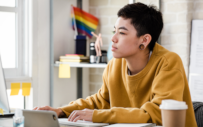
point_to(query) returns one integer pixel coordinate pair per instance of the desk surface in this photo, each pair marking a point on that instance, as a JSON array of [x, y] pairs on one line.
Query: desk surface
[[8, 122]]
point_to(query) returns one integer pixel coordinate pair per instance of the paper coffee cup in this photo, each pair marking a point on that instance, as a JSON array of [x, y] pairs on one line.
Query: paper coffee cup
[[173, 113]]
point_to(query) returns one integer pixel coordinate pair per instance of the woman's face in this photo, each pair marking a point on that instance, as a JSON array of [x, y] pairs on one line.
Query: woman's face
[[125, 40]]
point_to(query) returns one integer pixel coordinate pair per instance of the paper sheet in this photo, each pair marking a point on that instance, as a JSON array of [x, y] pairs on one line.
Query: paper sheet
[[1, 111], [196, 61], [64, 71], [15, 87], [196, 56], [196, 87], [26, 89]]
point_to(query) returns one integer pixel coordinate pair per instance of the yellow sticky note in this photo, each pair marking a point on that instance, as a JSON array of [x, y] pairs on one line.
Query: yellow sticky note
[[26, 89], [15, 87], [64, 71], [2, 111]]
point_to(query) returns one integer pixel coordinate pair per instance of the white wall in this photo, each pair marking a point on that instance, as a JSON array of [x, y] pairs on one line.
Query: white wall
[[41, 58], [63, 38], [175, 36]]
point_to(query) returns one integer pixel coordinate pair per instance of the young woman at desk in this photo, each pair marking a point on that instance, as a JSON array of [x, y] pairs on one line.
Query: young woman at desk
[[141, 74]]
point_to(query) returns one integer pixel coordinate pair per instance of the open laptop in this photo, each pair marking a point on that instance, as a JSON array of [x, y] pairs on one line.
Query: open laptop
[[3, 95], [42, 118]]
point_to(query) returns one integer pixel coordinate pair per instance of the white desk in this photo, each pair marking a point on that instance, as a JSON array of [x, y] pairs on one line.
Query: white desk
[[8, 122]]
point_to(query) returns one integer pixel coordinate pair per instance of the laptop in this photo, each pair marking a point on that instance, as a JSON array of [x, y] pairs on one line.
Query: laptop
[[44, 118], [3, 95], [40, 118]]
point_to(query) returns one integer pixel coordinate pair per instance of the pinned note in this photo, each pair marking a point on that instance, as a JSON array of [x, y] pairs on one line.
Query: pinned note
[[1, 111], [26, 89], [64, 71], [15, 87]]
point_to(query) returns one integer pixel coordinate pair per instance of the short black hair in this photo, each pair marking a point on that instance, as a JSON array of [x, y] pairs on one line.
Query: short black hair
[[146, 19]]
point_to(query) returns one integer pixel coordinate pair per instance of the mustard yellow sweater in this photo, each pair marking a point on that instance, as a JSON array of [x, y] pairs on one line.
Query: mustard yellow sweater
[[136, 98]]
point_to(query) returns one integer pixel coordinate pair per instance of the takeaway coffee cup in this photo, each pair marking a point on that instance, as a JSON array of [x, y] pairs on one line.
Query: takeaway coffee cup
[[173, 113]]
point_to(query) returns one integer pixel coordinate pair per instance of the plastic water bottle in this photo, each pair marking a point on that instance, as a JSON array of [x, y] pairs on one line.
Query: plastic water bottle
[[18, 118]]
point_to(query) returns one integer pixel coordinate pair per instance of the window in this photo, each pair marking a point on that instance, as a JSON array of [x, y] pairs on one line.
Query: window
[[15, 45], [14, 41], [15, 101]]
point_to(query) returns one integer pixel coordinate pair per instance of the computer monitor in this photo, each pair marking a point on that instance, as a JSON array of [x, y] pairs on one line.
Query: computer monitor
[[4, 104]]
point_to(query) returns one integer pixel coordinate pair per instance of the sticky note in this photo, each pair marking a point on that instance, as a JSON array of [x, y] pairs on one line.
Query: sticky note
[[64, 71], [26, 89], [1, 111], [15, 87]]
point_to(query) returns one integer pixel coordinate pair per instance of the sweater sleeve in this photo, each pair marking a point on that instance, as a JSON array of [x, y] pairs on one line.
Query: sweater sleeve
[[166, 85], [100, 100]]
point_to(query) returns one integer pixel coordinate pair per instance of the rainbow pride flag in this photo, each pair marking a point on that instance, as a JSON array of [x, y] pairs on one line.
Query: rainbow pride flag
[[85, 22]]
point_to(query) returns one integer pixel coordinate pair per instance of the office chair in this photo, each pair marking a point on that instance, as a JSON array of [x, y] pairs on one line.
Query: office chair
[[198, 109]]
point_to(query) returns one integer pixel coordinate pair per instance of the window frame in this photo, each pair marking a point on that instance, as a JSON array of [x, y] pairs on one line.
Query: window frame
[[22, 69]]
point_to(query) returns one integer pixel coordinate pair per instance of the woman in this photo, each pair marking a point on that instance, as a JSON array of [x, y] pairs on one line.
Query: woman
[[141, 74]]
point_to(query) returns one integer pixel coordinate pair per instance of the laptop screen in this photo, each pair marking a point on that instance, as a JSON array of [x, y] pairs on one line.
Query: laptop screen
[[3, 92]]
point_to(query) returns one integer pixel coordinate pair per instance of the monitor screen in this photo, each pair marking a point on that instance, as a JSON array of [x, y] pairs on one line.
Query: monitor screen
[[3, 92]]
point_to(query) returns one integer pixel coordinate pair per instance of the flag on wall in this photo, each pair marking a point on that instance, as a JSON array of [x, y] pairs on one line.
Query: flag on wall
[[83, 21]]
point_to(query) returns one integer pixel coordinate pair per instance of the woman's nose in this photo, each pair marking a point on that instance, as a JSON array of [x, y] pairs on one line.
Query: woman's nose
[[114, 38]]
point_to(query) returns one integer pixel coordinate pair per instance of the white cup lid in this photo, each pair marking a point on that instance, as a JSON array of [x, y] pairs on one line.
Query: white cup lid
[[173, 105]]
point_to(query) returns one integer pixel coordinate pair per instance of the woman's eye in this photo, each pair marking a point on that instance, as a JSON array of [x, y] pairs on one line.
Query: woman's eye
[[122, 33], [114, 32]]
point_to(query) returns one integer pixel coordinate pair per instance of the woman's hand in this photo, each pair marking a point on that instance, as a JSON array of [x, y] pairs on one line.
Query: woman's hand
[[85, 114], [97, 43], [58, 111]]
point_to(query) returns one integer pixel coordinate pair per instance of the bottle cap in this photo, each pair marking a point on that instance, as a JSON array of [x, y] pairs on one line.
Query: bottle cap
[[18, 113], [173, 105]]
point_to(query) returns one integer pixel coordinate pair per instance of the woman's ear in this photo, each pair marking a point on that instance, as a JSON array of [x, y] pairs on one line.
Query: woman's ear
[[146, 39]]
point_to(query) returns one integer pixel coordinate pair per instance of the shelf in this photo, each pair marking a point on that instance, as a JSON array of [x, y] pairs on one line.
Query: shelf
[[88, 65]]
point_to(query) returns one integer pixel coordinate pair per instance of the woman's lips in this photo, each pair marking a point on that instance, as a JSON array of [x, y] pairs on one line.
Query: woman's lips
[[113, 48]]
